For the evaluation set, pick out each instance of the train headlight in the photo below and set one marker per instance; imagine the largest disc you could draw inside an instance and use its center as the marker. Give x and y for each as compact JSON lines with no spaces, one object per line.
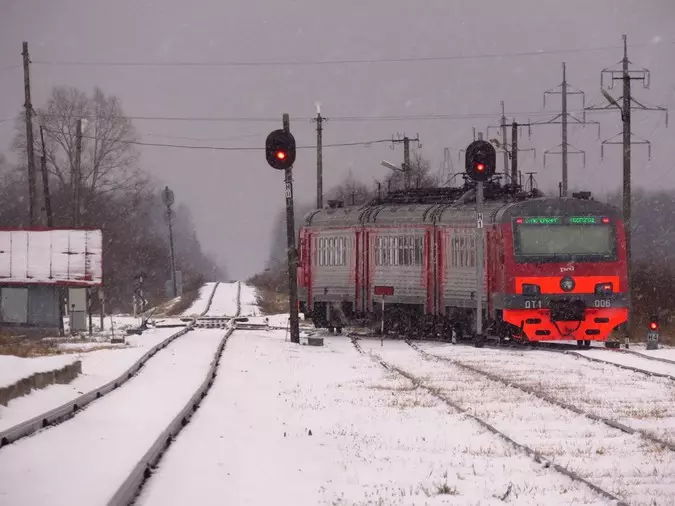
{"x":604,"y":288}
{"x":529,"y":289}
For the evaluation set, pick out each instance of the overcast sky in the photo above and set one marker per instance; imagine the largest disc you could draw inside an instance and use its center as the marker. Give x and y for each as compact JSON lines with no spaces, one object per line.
{"x":234,"y":195}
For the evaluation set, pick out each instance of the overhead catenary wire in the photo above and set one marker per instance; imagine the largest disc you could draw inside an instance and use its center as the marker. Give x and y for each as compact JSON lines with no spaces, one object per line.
{"x":410,"y":59}
{"x":223,"y":148}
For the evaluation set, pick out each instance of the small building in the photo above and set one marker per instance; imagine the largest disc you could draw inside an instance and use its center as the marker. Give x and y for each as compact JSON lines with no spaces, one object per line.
{"x":39,"y":269}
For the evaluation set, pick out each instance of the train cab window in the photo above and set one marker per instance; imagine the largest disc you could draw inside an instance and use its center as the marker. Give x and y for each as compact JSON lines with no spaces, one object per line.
{"x":562,"y":241}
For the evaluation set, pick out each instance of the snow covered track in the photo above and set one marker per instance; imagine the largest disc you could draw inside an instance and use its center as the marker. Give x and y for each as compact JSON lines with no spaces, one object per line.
{"x":71,"y":408}
{"x":546,"y":397}
{"x":142,"y":471}
{"x":132,"y":486}
{"x":615,"y":464}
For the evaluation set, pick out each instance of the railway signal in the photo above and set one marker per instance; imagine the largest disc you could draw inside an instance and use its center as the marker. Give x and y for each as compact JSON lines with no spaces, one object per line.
{"x":480,"y":160}
{"x":653,"y":333}
{"x":280,"y":149}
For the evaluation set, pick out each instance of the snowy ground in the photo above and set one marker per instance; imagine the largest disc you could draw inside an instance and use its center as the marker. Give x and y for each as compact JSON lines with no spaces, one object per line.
{"x":83,"y":460}
{"x":249,"y":305}
{"x":201,"y":303}
{"x":13,"y":369}
{"x":636,"y":470}
{"x":634,"y":399}
{"x":224,"y":300}
{"x":98,"y":368}
{"x":374,"y":439}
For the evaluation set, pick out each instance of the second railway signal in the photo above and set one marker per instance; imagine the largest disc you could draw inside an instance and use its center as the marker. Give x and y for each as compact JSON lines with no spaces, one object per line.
{"x":280,"y":149}
{"x":480,"y":160}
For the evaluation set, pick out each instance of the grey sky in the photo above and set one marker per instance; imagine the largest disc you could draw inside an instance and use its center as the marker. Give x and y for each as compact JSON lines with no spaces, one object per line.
{"x":235,"y":195}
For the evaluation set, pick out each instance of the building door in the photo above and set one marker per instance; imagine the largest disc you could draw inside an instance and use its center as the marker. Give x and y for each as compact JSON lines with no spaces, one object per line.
{"x":14,"y":305}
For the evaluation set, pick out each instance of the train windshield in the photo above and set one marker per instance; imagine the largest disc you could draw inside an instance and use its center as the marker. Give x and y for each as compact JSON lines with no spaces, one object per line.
{"x":561,"y":241}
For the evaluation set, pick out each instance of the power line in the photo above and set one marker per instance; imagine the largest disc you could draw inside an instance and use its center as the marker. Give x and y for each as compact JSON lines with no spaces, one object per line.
{"x":513,"y":54}
{"x":243,"y":119}
{"x":227,"y":148}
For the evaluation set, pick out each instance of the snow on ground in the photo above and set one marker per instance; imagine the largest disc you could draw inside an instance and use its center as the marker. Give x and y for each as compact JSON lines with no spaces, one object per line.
{"x":98,"y":368}
{"x":224,"y":300}
{"x":374,"y":439}
{"x":248,"y":301}
{"x":667,"y":353}
{"x":637,"y":471}
{"x":85,"y":459}
{"x":637,"y":400}
{"x":201,"y":303}
{"x":13,"y":369}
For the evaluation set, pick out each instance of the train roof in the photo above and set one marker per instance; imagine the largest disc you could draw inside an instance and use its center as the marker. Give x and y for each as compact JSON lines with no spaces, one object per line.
{"x":455,"y":206}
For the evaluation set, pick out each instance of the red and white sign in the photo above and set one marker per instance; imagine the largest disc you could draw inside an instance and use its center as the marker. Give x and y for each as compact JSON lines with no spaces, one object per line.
{"x":66,"y":257}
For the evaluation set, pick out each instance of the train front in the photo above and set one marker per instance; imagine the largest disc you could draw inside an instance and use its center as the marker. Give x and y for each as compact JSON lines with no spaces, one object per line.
{"x":564,"y":275}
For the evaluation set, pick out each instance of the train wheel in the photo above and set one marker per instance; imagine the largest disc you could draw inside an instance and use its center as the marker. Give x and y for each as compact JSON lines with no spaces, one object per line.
{"x":587,"y":344}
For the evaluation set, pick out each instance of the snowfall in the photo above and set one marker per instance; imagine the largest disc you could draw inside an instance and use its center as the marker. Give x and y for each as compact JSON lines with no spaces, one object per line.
{"x":303,"y":425}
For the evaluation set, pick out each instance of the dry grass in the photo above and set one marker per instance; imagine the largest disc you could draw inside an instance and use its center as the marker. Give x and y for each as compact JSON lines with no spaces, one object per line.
{"x":20,"y":346}
{"x":271,"y":302}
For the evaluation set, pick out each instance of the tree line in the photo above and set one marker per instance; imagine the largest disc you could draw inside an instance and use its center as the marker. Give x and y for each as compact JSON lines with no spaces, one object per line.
{"x":116,"y":194}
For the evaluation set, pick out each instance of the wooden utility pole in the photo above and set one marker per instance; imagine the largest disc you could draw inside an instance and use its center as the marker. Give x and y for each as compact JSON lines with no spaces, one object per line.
{"x":45,"y":180}
{"x":32,"y":188}
{"x":75,"y":174}
{"x":407,"y":168}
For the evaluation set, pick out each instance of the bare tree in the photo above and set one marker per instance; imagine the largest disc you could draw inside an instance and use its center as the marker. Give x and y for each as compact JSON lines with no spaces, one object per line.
{"x":109,"y":160}
{"x":420,"y":177}
{"x":351,"y":192}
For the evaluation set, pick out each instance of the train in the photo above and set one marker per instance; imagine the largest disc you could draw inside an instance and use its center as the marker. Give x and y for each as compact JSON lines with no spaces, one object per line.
{"x":555,"y":268}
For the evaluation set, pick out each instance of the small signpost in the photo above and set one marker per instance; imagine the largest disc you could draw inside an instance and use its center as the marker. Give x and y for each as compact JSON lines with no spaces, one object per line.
{"x":383,"y":291}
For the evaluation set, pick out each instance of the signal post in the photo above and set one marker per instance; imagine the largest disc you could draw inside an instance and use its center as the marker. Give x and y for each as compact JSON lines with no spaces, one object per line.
{"x":480,"y":161}
{"x":280,"y":154}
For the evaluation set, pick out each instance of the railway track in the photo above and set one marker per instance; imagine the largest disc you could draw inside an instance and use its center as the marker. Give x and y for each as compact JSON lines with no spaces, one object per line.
{"x":131,"y":488}
{"x":421,"y":381}
{"x":585,"y":447}
{"x":564,"y":348}
{"x":71,"y":408}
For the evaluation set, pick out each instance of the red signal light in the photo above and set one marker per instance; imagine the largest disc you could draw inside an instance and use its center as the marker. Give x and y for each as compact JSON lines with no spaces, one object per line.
{"x":281,"y":155}
{"x":605,"y":220}
{"x":653,"y":325}
{"x":480,"y":167}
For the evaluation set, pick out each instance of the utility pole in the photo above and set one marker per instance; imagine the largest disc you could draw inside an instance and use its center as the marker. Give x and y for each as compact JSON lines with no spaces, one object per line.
{"x":319,"y":157}
{"x":32,"y":187}
{"x":565,"y":90}
{"x":75,"y":174}
{"x":292,"y":252}
{"x":168,"y":200}
{"x":407,"y":169}
{"x":45,"y":180}
{"x":511,"y":149}
{"x":505,"y":152}
{"x":626,"y":75}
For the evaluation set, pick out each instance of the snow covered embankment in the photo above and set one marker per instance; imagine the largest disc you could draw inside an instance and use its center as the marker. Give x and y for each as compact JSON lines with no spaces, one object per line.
{"x":19,"y":376}
{"x":289,"y":424}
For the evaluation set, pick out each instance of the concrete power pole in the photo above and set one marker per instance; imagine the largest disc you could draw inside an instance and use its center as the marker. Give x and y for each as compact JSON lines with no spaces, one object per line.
{"x":291,"y":249}
{"x":30,"y":147}
{"x":506,"y":154}
{"x":319,"y":157}
{"x":407,"y":168}
{"x":565,"y":90}
{"x":622,"y":72}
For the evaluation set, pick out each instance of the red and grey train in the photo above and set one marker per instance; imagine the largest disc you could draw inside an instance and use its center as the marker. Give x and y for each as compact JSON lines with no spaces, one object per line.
{"x":555,"y":268}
